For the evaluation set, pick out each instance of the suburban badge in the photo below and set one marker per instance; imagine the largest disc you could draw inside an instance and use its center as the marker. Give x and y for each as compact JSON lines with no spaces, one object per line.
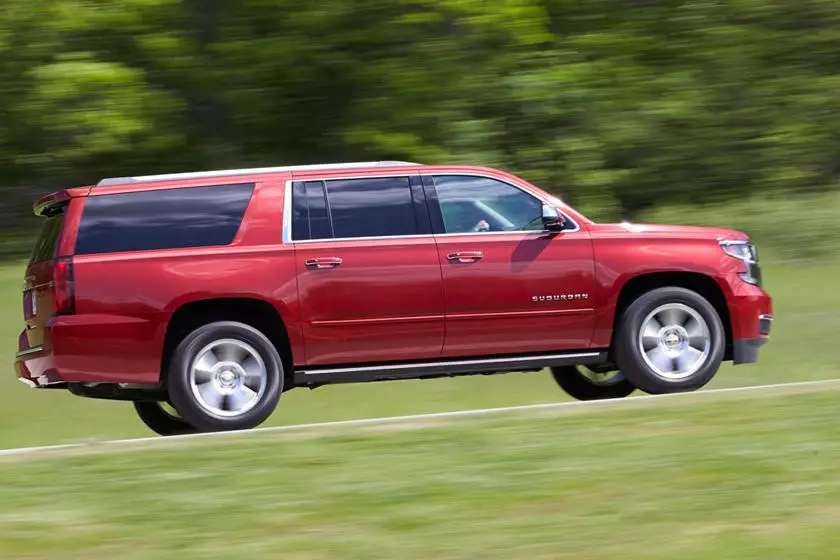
{"x":559,"y":297}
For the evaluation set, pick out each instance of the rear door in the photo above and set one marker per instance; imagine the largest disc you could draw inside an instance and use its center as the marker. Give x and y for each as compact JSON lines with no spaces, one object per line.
{"x":368,"y":270}
{"x":511,"y":287}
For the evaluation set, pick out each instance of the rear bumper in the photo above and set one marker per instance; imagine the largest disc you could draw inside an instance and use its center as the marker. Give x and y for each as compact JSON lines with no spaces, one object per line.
{"x":91,"y":349}
{"x":40,"y":377}
{"x":36,"y":367}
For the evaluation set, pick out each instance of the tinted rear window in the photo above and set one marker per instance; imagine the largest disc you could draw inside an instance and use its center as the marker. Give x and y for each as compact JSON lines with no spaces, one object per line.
{"x":162,"y":219}
{"x":371,"y":207}
{"x":45,"y":245}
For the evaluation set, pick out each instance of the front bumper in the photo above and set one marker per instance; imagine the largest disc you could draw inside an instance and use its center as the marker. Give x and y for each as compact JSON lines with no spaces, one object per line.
{"x":751,"y":316}
{"x":745,"y":350}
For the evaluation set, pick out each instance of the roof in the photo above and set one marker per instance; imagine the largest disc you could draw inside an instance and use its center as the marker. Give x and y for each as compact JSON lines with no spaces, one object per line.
{"x":114,"y":181}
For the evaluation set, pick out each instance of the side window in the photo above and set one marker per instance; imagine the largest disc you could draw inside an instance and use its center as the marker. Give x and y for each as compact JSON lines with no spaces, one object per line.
{"x":480,"y":204}
{"x":374,"y":207}
{"x":162,"y":219}
{"x":311,"y":220}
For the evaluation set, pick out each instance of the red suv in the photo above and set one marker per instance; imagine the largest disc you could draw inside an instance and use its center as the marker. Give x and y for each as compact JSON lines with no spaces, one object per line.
{"x":202,"y":297}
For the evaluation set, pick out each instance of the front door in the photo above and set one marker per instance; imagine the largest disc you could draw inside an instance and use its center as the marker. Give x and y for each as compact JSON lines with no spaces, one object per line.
{"x":368,"y":271}
{"x":510,"y":287}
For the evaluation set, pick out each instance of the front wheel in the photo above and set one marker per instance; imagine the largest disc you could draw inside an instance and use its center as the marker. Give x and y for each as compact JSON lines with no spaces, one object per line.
{"x":161,"y":420}
{"x":225,"y":376}
{"x":585,"y":384}
{"x":670,"y":340}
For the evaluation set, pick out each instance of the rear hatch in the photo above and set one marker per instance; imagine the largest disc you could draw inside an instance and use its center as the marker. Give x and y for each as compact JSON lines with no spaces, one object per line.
{"x":48,"y":282}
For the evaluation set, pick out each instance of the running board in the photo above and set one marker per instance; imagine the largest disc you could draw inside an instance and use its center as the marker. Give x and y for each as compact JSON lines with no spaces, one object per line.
{"x":446,"y":368}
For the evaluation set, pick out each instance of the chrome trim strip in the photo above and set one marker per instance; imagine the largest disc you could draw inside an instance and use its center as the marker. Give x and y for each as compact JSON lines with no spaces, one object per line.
{"x":520,"y":231}
{"x":411,"y":365}
{"x":421,"y":236}
{"x":29,"y":351}
{"x":376,"y":321}
{"x":520,"y":314}
{"x":287,"y":211}
{"x":114,"y":181}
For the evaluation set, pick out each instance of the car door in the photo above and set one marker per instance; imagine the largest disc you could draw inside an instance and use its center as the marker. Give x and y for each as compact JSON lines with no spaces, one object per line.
{"x":368,"y":272}
{"x":510,"y":286}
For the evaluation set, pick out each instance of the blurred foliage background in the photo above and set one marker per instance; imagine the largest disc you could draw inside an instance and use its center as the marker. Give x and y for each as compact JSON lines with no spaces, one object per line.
{"x":696,"y":111}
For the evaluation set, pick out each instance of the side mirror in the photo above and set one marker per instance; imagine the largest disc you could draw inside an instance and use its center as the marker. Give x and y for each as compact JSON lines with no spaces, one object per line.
{"x":552,"y":219}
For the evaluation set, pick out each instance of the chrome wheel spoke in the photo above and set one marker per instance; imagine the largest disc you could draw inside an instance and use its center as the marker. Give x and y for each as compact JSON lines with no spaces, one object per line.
{"x":601,"y":379}
{"x":671,"y":316}
{"x":697,"y":337}
{"x":228,"y":377}
{"x":698,"y":343}
{"x":210,"y":395}
{"x":203,"y":368}
{"x":239,"y":399}
{"x":660,"y":359}
{"x":650,"y":335}
{"x":687,"y":359}
{"x":230,"y":352}
{"x":254,"y":374}
{"x":674,"y":341}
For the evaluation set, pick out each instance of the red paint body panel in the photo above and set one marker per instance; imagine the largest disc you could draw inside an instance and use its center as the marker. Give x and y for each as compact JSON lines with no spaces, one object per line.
{"x":625,"y":252}
{"x":746,"y":302}
{"x":384,"y":302}
{"x":389,"y":299}
{"x":489,"y":302}
{"x":124,"y":301}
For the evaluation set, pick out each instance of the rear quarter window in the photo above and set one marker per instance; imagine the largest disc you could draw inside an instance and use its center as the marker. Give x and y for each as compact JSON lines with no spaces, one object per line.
{"x":162,"y":219}
{"x":45,"y":245}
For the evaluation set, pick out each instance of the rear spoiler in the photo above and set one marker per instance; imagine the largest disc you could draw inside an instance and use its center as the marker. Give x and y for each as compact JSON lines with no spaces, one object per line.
{"x":52,"y":203}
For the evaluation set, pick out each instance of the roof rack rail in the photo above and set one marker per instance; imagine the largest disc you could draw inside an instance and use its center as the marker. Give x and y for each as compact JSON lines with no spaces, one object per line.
{"x":115,"y":181}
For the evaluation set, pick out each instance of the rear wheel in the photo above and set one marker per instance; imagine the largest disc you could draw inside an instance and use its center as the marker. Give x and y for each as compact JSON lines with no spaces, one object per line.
{"x":162,"y":419}
{"x":225,"y":376}
{"x":586,"y":384}
{"x":670,"y":340}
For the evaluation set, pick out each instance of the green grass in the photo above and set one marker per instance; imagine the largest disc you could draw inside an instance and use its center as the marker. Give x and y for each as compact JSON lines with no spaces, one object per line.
{"x":803,"y":347}
{"x":737,"y":475}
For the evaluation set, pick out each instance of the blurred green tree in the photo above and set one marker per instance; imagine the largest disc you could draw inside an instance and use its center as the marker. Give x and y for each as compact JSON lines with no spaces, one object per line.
{"x":617,"y":106}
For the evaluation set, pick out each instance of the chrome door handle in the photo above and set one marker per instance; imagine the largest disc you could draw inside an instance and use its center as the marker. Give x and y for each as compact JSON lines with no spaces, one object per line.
{"x":323,"y":263}
{"x":465,"y":256}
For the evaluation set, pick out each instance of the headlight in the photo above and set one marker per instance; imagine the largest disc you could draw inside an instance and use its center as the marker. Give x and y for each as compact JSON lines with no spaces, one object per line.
{"x":744,"y":251}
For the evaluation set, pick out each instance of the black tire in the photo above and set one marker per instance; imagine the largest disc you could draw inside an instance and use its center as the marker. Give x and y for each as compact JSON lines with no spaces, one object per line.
{"x":575,"y":381}
{"x":192,"y":406}
{"x":160,"y":420}
{"x":629,"y":341}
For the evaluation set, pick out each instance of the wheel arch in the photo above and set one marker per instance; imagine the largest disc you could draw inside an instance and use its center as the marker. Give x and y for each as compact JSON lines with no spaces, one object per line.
{"x":704,"y":285}
{"x":255,"y":312}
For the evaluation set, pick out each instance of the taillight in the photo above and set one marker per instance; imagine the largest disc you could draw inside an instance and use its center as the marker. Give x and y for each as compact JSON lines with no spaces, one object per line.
{"x":64,"y":292}
{"x":28,"y":303}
